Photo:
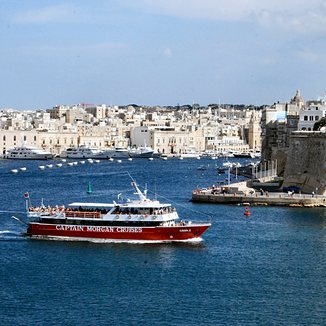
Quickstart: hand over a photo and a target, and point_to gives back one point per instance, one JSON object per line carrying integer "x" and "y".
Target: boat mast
{"x": 142, "y": 196}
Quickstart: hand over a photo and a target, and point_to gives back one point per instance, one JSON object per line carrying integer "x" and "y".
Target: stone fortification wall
{"x": 306, "y": 162}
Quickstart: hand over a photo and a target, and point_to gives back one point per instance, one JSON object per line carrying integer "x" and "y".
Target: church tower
{"x": 254, "y": 139}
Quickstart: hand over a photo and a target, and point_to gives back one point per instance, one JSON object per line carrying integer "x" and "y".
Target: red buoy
{"x": 247, "y": 212}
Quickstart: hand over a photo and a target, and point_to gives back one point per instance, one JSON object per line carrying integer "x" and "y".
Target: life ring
{"x": 117, "y": 217}
{"x": 129, "y": 216}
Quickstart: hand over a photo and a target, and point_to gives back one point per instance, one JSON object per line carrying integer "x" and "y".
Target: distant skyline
{"x": 160, "y": 52}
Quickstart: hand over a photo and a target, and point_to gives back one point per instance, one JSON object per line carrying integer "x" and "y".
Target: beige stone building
{"x": 254, "y": 134}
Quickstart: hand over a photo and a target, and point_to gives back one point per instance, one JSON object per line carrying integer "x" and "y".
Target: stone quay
{"x": 254, "y": 198}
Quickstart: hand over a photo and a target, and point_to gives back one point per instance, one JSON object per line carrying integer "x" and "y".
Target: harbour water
{"x": 266, "y": 269}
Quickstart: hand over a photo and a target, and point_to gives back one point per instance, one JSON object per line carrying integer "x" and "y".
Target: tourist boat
{"x": 131, "y": 220}
{"x": 141, "y": 152}
{"x": 28, "y": 153}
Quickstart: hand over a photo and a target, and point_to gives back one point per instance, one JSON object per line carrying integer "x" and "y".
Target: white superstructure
{"x": 28, "y": 153}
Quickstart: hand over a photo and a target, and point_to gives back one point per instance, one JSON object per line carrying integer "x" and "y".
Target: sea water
{"x": 266, "y": 269}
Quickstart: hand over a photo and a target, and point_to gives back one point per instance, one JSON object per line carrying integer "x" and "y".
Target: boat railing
{"x": 83, "y": 214}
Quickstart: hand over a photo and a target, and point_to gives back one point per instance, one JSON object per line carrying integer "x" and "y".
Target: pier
{"x": 240, "y": 194}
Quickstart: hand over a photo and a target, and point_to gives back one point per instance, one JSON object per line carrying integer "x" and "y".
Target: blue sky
{"x": 160, "y": 52}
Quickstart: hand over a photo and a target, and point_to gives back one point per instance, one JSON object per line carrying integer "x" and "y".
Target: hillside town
{"x": 213, "y": 129}
{"x": 168, "y": 130}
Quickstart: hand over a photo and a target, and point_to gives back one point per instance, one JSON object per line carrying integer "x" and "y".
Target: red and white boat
{"x": 137, "y": 220}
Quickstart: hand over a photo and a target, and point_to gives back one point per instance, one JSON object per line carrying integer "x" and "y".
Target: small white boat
{"x": 164, "y": 158}
{"x": 180, "y": 158}
{"x": 129, "y": 159}
{"x": 75, "y": 163}
{"x": 111, "y": 159}
{"x": 23, "y": 169}
{"x": 41, "y": 167}
{"x": 50, "y": 166}
{"x": 90, "y": 161}
{"x": 14, "y": 171}
{"x": 119, "y": 161}
{"x": 141, "y": 152}
{"x": 97, "y": 161}
{"x": 59, "y": 165}
{"x": 63, "y": 160}
{"x": 82, "y": 162}
{"x": 71, "y": 163}
{"x": 150, "y": 159}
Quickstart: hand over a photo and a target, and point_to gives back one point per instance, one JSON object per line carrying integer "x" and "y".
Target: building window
{"x": 4, "y": 138}
{"x": 34, "y": 138}
{"x": 311, "y": 118}
{"x": 305, "y": 118}
{"x": 24, "y": 138}
{"x": 14, "y": 138}
{"x": 316, "y": 118}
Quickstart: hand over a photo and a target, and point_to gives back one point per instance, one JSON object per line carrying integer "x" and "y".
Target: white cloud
{"x": 300, "y": 16}
{"x": 57, "y": 13}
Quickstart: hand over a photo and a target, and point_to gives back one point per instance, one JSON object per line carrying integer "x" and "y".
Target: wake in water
{"x": 94, "y": 240}
{"x": 6, "y": 235}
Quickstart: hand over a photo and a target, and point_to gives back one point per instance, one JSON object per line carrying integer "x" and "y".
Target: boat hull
{"x": 123, "y": 233}
{"x": 32, "y": 157}
{"x": 141, "y": 155}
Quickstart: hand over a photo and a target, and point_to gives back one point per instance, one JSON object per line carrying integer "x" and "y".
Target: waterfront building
{"x": 309, "y": 116}
{"x": 167, "y": 129}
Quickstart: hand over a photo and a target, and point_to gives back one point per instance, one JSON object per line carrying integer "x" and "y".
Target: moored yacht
{"x": 81, "y": 151}
{"x": 131, "y": 220}
{"x": 119, "y": 152}
{"x": 28, "y": 153}
{"x": 141, "y": 152}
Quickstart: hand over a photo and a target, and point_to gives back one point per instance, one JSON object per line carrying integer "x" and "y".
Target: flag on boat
{"x": 26, "y": 195}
